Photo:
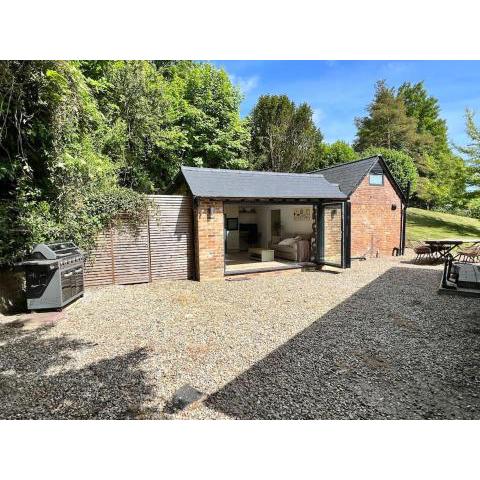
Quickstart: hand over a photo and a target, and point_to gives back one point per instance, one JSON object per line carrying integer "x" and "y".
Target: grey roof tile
{"x": 218, "y": 183}
{"x": 348, "y": 175}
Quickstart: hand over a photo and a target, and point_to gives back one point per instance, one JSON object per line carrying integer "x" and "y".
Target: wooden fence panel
{"x": 171, "y": 237}
{"x": 99, "y": 266}
{"x": 162, "y": 248}
{"x": 130, "y": 254}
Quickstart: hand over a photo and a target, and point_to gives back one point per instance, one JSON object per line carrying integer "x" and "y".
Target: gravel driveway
{"x": 376, "y": 341}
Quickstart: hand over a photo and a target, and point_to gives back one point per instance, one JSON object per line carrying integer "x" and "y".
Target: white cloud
{"x": 246, "y": 84}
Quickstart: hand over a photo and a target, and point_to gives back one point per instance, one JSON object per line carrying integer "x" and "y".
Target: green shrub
{"x": 78, "y": 219}
{"x": 474, "y": 207}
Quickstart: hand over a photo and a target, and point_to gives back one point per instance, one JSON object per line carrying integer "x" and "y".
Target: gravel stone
{"x": 372, "y": 342}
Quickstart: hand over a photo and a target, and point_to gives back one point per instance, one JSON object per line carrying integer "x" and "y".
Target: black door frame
{"x": 346, "y": 225}
{"x": 346, "y": 234}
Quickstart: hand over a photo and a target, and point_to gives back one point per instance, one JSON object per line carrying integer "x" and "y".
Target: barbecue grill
{"x": 54, "y": 275}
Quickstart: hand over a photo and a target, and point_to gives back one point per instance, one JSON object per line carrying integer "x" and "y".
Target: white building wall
{"x": 287, "y": 219}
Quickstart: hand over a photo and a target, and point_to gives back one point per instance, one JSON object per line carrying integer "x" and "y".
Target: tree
{"x": 54, "y": 170}
{"x": 388, "y": 125}
{"x": 284, "y": 137}
{"x": 166, "y": 114}
{"x": 336, "y": 152}
{"x": 399, "y": 163}
{"x": 426, "y": 110}
{"x": 216, "y": 135}
{"x": 80, "y": 140}
{"x": 408, "y": 120}
{"x": 472, "y": 151}
{"x": 443, "y": 175}
{"x": 446, "y": 186}
{"x": 138, "y": 105}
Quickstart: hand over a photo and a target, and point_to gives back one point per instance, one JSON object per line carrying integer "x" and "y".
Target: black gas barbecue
{"x": 54, "y": 275}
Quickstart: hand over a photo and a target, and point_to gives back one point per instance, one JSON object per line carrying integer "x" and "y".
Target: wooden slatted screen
{"x": 171, "y": 237}
{"x": 99, "y": 266}
{"x": 130, "y": 254}
{"x": 162, "y": 248}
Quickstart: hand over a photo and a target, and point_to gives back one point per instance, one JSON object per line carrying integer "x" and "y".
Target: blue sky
{"x": 338, "y": 91}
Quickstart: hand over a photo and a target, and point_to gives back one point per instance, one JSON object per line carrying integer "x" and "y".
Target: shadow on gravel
{"x": 394, "y": 349}
{"x": 111, "y": 388}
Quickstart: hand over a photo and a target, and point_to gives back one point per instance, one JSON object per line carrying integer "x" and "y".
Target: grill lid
{"x": 55, "y": 251}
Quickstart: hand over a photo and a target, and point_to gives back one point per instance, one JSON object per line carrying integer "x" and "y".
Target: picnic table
{"x": 445, "y": 245}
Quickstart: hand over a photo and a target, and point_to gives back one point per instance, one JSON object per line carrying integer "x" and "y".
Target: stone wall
{"x": 209, "y": 241}
{"x": 375, "y": 226}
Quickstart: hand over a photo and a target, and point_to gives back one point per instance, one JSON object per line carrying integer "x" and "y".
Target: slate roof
{"x": 349, "y": 175}
{"x": 218, "y": 183}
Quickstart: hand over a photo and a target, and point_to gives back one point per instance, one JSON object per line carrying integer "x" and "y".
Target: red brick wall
{"x": 375, "y": 226}
{"x": 209, "y": 241}
{"x": 333, "y": 234}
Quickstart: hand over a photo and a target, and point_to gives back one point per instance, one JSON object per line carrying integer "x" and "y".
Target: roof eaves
{"x": 340, "y": 196}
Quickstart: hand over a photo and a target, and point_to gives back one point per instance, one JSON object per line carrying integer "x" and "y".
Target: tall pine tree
{"x": 388, "y": 124}
{"x": 408, "y": 120}
{"x": 426, "y": 110}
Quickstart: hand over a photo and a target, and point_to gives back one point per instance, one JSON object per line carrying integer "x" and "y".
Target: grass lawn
{"x": 426, "y": 224}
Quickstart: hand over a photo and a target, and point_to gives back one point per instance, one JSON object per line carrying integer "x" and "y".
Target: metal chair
{"x": 421, "y": 249}
{"x": 468, "y": 254}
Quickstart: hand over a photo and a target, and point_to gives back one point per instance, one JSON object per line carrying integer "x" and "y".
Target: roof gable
{"x": 219, "y": 183}
{"x": 349, "y": 175}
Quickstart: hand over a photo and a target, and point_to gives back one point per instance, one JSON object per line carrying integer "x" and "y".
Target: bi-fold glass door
{"x": 333, "y": 240}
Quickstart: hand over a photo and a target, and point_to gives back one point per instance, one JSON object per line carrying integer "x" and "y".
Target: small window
{"x": 375, "y": 179}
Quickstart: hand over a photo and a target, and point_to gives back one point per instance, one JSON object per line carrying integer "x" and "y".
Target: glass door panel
{"x": 332, "y": 240}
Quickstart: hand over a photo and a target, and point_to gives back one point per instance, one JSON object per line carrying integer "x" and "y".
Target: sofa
{"x": 298, "y": 250}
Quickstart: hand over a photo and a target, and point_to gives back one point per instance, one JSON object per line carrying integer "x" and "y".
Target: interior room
{"x": 267, "y": 236}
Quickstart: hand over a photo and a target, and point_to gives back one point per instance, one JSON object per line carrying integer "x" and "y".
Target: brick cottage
{"x": 257, "y": 222}
{"x": 377, "y": 206}
{"x": 216, "y": 223}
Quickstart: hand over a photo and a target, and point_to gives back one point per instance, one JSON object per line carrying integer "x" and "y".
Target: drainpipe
{"x": 404, "y": 222}
{"x": 399, "y": 251}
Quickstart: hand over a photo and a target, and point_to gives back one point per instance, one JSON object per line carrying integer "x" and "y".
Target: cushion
{"x": 288, "y": 241}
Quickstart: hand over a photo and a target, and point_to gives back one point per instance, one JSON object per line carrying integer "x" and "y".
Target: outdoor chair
{"x": 421, "y": 249}
{"x": 468, "y": 254}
